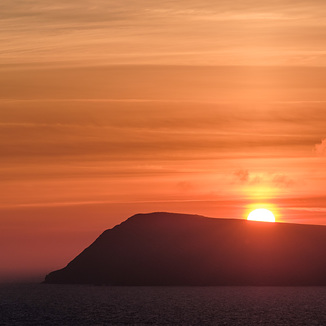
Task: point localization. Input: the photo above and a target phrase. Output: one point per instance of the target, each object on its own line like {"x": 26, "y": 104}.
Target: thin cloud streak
{"x": 169, "y": 32}
{"x": 321, "y": 148}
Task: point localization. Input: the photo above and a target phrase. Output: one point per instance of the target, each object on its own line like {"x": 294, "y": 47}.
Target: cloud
{"x": 255, "y": 180}
{"x": 168, "y": 31}
{"x": 242, "y": 175}
{"x": 144, "y": 129}
{"x": 281, "y": 180}
{"x": 320, "y": 149}
{"x": 278, "y": 180}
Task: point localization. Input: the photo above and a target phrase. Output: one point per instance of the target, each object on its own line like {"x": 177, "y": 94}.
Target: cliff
{"x": 178, "y": 249}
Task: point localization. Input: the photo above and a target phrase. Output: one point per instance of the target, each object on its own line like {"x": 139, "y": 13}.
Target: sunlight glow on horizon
{"x": 261, "y": 215}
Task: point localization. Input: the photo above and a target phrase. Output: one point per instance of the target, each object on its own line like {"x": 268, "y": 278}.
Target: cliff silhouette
{"x": 179, "y": 249}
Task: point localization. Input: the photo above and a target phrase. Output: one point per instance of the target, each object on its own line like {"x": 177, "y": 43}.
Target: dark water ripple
{"x": 39, "y": 304}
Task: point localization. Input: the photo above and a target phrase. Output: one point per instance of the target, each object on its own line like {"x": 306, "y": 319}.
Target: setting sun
{"x": 262, "y": 215}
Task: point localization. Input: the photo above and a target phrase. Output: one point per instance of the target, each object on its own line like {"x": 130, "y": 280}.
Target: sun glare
{"x": 262, "y": 215}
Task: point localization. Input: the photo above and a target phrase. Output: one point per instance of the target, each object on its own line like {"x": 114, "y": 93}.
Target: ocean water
{"x": 41, "y": 304}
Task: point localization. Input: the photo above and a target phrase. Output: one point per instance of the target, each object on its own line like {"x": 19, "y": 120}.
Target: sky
{"x": 111, "y": 108}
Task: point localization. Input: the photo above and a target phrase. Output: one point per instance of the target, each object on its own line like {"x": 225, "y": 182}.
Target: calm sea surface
{"x": 40, "y": 304}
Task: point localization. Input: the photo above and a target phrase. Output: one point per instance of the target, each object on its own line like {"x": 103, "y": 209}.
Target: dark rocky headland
{"x": 179, "y": 249}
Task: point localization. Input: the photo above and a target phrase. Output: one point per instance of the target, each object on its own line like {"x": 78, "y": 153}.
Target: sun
{"x": 262, "y": 215}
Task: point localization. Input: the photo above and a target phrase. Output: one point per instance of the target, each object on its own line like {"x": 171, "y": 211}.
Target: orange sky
{"x": 108, "y": 109}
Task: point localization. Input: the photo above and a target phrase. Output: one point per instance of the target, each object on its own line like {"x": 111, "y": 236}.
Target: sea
{"x": 45, "y": 304}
